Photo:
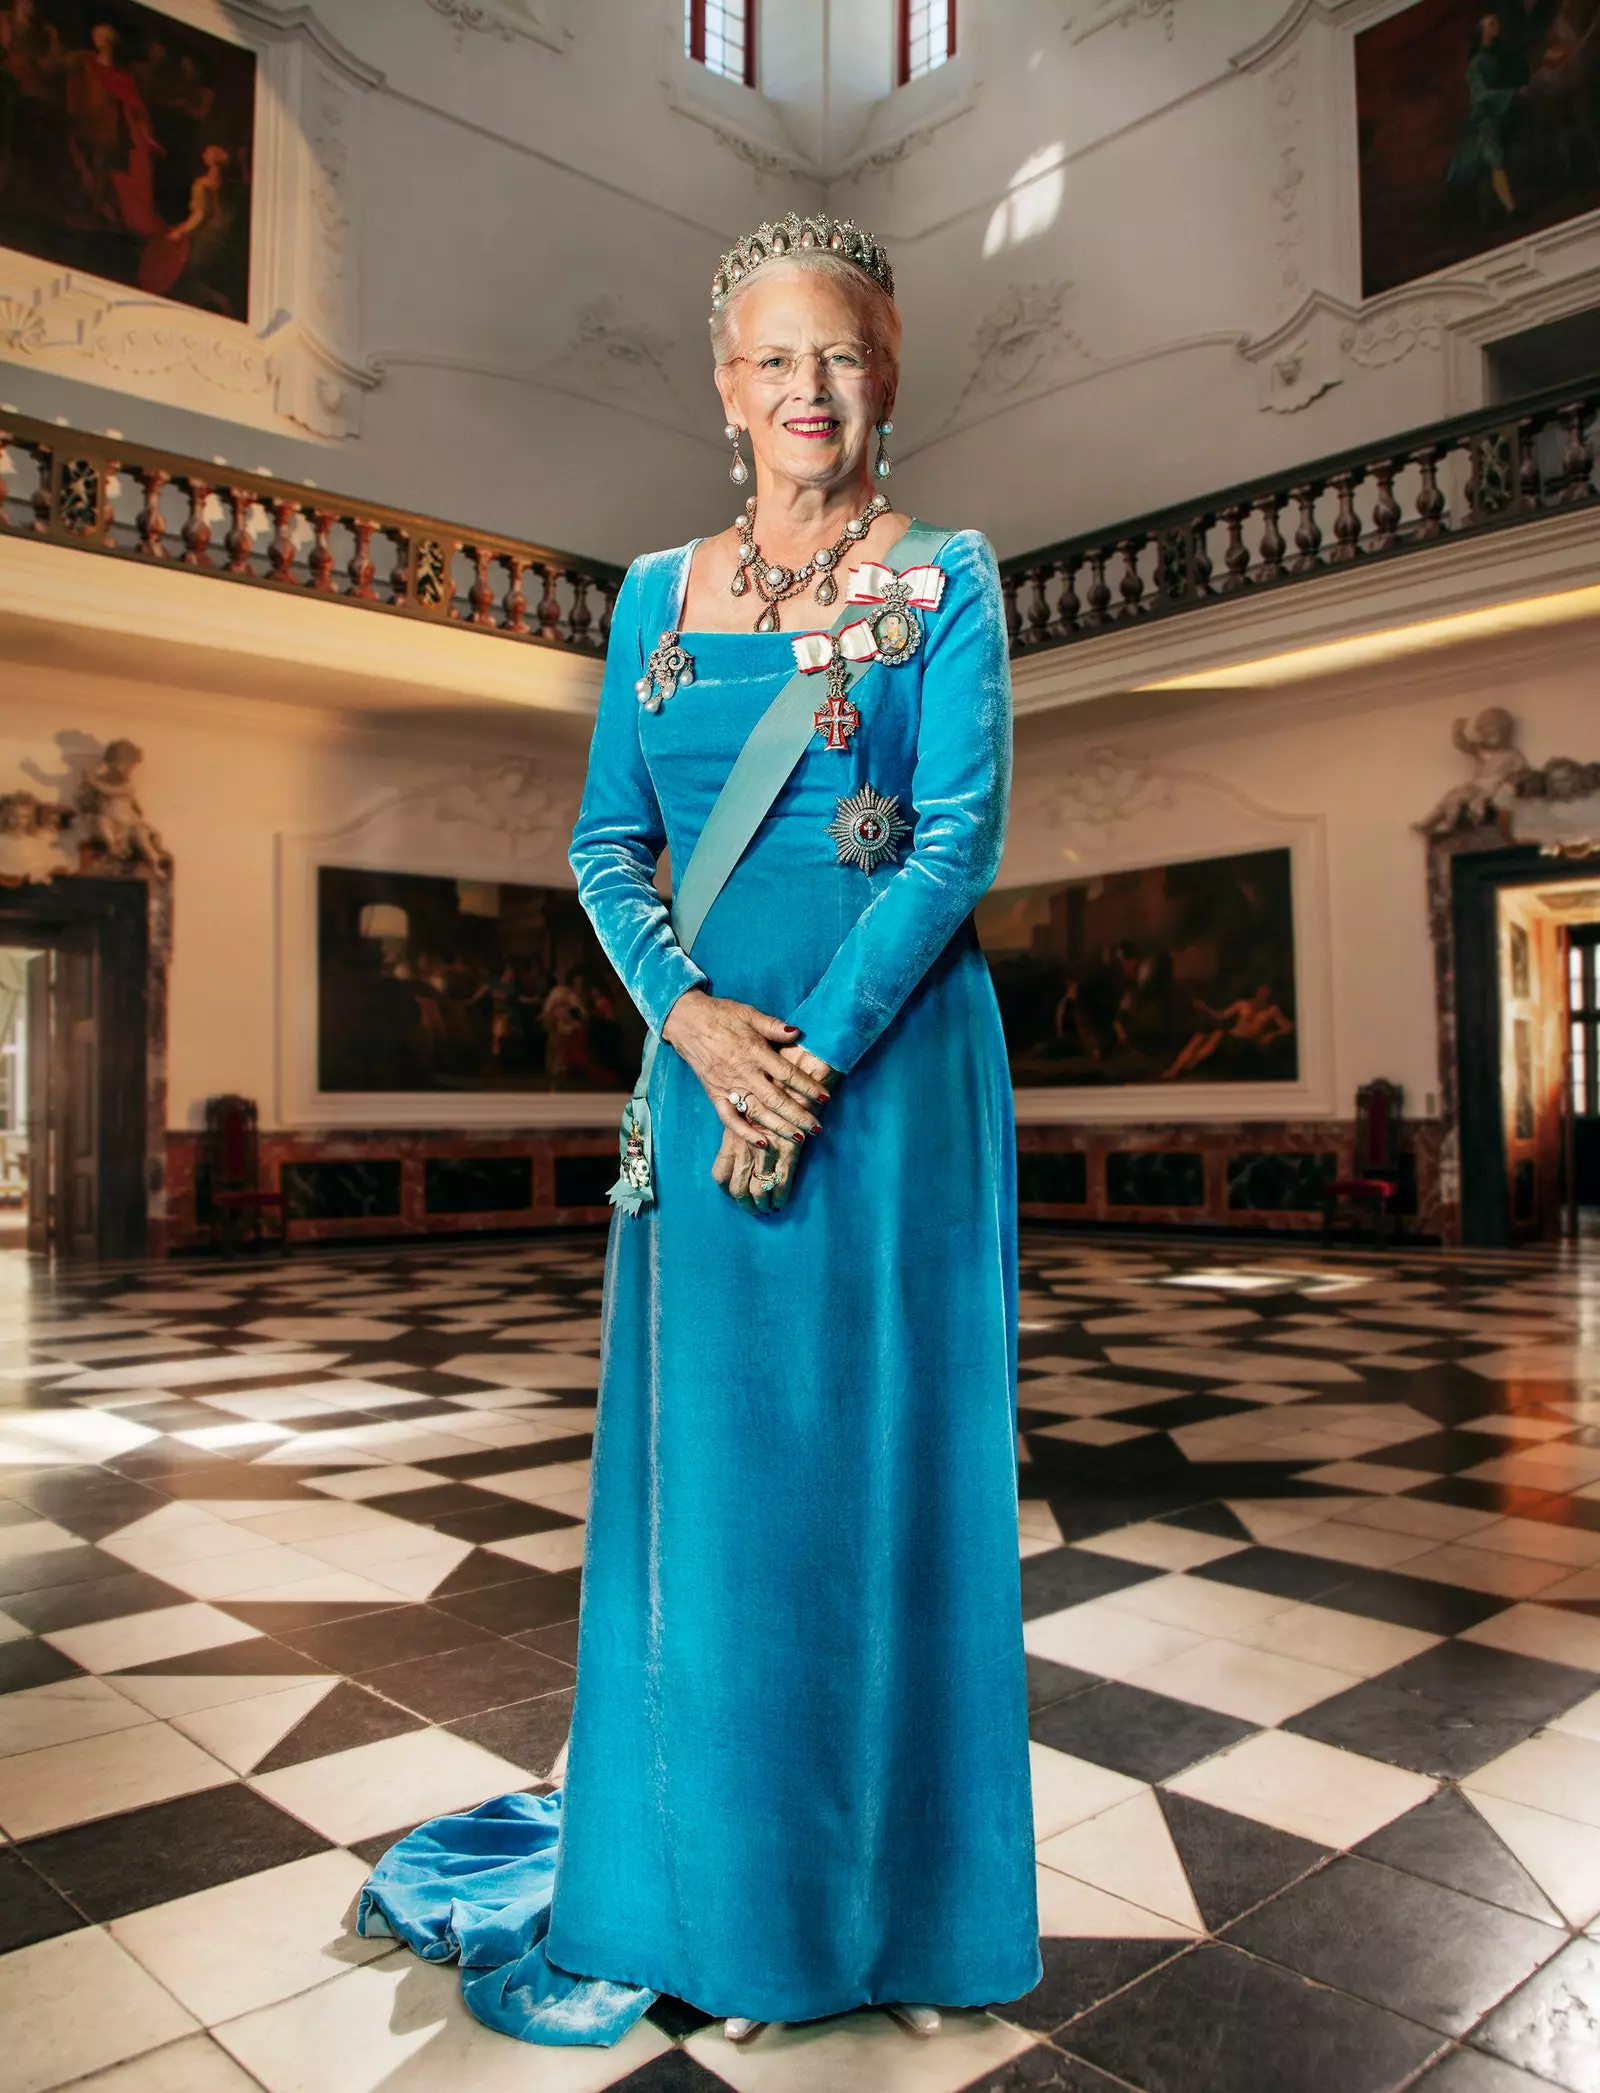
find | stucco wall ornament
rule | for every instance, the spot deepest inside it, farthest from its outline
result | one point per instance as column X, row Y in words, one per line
column 111, row 822
column 508, row 20
column 508, row 798
column 1505, row 788
column 1020, row 346
column 1104, row 14
column 30, row 840
column 1107, row 786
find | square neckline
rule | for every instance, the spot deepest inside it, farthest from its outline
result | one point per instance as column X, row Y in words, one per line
column 680, row 597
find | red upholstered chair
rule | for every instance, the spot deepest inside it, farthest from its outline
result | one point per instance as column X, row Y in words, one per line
column 1373, row 1187
column 233, row 1165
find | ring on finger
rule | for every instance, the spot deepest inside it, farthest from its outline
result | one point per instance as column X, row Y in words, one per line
column 740, row 1101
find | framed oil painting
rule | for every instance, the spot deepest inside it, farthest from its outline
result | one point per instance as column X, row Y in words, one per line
column 1179, row 975
column 476, row 987
column 1478, row 124
column 127, row 148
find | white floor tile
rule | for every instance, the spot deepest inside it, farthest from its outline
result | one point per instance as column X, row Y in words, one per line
column 66, row 1438
column 100, row 1777
column 34, row 1537
column 1074, row 1910
column 167, row 1694
column 1577, row 1584
column 534, row 1485
column 1098, row 1637
column 296, row 1524
column 1549, row 1467
column 1439, row 1522
column 1487, row 1570
column 241, row 1732
column 145, row 1638
column 1096, row 1431
column 862, row 2053
column 1162, row 1547
column 356, row 1794
column 1342, row 1540
column 249, row 1943
column 372, row 1480
column 178, row 1533
column 1254, row 1684
column 1068, row 1791
column 1553, row 1771
column 1561, row 1856
column 561, row 1548
column 1372, row 1476
column 1344, row 1642
column 1312, row 1790
column 398, row 2026
column 63, row 1713
column 326, row 1329
column 74, row 2005
column 1198, row 1604
column 1581, row 1721
column 1128, row 1851
column 1550, row 1632
column 195, row 2065
column 250, row 1573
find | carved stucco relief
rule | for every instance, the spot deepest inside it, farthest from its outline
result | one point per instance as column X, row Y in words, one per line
column 1021, row 347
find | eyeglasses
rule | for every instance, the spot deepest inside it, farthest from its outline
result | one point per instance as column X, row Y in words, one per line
column 845, row 363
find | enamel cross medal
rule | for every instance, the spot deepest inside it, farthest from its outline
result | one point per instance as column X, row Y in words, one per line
column 837, row 719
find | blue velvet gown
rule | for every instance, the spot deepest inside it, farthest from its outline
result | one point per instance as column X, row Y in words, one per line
column 798, row 1777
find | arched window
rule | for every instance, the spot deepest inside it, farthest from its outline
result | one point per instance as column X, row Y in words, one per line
column 721, row 35
column 927, row 37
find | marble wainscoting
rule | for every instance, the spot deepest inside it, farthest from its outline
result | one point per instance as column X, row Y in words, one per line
column 348, row 1186
column 1246, row 1175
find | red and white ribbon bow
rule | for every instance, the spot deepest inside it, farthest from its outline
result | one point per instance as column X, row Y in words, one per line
column 814, row 650
column 869, row 582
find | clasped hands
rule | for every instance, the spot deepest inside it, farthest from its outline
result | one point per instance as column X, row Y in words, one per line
column 738, row 1051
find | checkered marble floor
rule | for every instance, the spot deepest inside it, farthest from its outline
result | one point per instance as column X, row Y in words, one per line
column 290, row 1559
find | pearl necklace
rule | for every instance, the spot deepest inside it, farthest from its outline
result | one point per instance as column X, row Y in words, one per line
column 774, row 584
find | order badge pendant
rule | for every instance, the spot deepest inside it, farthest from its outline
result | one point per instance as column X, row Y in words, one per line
column 670, row 665
column 896, row 627
column 868, row 830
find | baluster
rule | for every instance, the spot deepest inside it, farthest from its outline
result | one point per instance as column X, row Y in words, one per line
column 1200, row 558
column 608, row 597
column 1308, row 532
column 481, row 595
column 1529, row 485
column 1235, row 553
column 1069, row 610
column 550, row 605
column 1037, row 615
column 1008, row 603
column 516, row 603
column 582, row 617
column 361, row 572
column 1273, row 548
column 1131, row 585
column 1577, row 460
column 197, row 531
column 1430, row 496
column 280, row 553
column 43, row 499
column 150, row 527
column 400, row 574
column 1099, row 598
column 1346, row 523
column 320, row 557
column 5, row 454
column 1386, row 511
column 238, row 542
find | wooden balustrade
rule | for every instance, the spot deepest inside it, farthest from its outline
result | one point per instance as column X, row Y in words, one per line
column 1489, row 471
column 100, row 494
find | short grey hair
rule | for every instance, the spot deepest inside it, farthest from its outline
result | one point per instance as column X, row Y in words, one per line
column 877, row 308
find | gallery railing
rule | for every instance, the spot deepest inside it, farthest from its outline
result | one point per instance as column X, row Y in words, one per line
column 100, row 494
column 1512, row 464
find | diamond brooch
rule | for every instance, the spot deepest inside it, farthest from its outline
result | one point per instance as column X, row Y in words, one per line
column 868, row 830
column 667, row 667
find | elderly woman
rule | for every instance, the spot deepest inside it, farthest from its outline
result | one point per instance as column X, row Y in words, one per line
column 797, row 1780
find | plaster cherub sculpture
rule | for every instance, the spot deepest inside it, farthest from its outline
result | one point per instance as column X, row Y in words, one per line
column 112, row 822
column 1498, row 768
column 29, row 829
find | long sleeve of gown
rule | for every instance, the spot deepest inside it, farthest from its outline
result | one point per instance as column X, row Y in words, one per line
column 620, row 834
column 961, row 788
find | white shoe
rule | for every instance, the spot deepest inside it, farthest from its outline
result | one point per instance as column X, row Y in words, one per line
column 917, row 2020
column 738, row 2029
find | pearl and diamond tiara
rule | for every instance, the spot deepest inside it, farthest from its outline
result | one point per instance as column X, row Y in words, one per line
column 794, row 234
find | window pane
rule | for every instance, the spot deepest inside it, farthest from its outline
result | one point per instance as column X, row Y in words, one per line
column 927, row 41
column 726, row 32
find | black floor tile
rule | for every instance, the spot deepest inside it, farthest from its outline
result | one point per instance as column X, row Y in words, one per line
column 1449, row 1711
column 239, row 1481
column 1471, row 1493
column 1551, row 2027
column 149, row 1856
column 257, row 1657
column 560, row 1642
column 97, row 1599
column 1068, row 1576
column 30, row 1909
column 529, row 1600
column 1233, row 1864
column 342, row 1719
column 673, row 2072
column 454, row 1683
column 677, row 2018
column 390, row 1637
column 499, row 1519
column 1216, row 2021
column 27, row 1662
column 1045, row 2070
column 1054, row 1682
column 1079, row 1974
column 509, row 1460
column 1445, row 1840
column 1469, row 2071
column 1277, row 1571
column 1413, row 1602
column 1147, row 1735
column 528, row 1733
column 1427, row 1952
column 32, row 1573
column 1215, row 1519
column 89, row 1502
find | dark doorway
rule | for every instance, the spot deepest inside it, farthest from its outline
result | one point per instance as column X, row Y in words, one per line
column 87, row 1054
column 1525, row 940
